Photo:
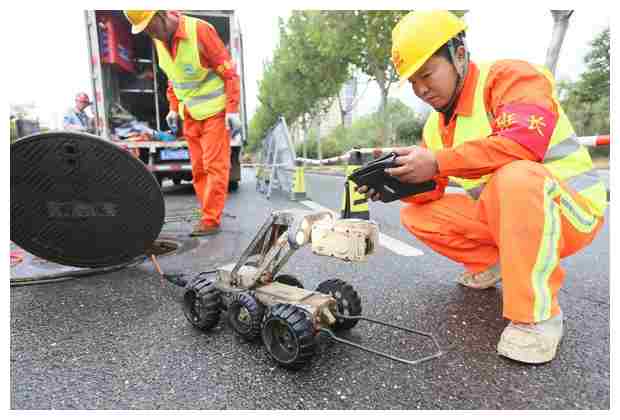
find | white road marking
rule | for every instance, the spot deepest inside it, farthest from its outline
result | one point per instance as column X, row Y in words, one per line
column 386, row 241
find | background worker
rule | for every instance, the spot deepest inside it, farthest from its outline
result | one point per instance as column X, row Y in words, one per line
column 533, row 196
column 76, row 118
column 203, row 90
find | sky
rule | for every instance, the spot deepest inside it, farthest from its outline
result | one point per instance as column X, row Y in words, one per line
column 49, row 70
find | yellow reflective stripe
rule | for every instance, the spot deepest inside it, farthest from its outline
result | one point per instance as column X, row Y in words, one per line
column 580, row 218
column 194, row 84
column 548, row 253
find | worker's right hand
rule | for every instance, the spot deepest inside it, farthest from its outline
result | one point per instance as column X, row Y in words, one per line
column 374, row 196
column 172, row 120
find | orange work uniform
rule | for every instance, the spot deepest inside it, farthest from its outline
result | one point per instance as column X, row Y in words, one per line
column 209, row 139
column 509, row 223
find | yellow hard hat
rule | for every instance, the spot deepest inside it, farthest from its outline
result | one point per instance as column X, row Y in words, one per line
column 139, row 19
column 418, row 35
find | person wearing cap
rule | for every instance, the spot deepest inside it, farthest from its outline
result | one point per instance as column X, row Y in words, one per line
column 76, row 118
column 532, row 195
column 203, row 90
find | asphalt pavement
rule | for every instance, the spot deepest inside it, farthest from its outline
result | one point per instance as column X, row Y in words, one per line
column 120, row 340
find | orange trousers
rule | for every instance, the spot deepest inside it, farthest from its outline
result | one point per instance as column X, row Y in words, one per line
column 525, row 220
column 209, row 149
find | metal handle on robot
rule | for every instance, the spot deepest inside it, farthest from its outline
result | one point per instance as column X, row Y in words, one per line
column 380, row 353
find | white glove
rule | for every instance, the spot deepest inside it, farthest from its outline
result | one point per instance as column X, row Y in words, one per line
column 172, row 119
column 233, row 121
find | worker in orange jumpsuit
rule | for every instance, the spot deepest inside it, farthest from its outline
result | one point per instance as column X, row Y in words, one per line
column 532, row 195
column 203, row 90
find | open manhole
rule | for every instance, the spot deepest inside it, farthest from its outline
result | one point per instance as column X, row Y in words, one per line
column 163, row 247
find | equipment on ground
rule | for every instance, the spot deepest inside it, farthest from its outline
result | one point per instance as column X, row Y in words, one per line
column 373, row 175
column 289, row 319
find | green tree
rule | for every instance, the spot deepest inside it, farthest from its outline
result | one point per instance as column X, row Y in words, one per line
column 595, row 81
column 368, row 35
column 303, row 77
column 586, row 101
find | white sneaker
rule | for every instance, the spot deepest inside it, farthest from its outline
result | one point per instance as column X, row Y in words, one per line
column 482, row 280
column 532, row 343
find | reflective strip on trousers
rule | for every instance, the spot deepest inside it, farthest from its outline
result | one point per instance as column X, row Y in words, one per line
column 578, row 183
column 578, row 217
column 196, row 84
column 197, row 100
column 548, row 253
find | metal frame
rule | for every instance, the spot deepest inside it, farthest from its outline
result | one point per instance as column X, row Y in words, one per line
column 380, row 353
column 94, row 62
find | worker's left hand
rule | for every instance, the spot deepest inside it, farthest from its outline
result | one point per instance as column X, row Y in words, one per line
column 415, row 165
column 233, row 121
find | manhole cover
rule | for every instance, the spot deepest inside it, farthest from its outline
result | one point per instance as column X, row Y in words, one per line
column 79, row 200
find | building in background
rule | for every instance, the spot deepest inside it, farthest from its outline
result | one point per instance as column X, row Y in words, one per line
column 342, row 110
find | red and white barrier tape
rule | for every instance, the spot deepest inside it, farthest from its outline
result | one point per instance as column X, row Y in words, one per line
column 375, row 153
column 594, row 140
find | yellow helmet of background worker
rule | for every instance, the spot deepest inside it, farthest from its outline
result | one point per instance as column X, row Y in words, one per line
column 418, row 35
column 139, row 19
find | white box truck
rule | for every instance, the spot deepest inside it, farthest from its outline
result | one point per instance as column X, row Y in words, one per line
column 129, row 91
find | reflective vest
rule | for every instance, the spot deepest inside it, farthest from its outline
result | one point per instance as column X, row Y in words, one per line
column 565, row 158
column 199, row 89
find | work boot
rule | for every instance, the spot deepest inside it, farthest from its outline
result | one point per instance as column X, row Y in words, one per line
column 482, row 280
column 531, row 343
column 201, row 230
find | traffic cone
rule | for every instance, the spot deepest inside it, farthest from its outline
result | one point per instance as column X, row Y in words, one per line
column 354, row 204
column 298, row 191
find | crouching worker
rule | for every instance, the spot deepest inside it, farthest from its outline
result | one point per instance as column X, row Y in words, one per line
column 533, row 196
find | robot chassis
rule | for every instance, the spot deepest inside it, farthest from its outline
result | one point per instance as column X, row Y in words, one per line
column 276, row 308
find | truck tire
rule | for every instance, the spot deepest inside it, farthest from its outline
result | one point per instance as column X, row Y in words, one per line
column 235, row 169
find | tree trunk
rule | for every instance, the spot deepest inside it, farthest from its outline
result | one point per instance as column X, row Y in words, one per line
column 304, row 125
column 343, row 111
column 560, row 25
column 319, row 151
column 384, row 88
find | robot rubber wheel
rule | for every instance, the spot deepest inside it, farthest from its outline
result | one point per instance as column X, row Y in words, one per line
column 347, row 300
column 202, row 303
column 288, row 335
column 245, row 315
column 289, row 280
